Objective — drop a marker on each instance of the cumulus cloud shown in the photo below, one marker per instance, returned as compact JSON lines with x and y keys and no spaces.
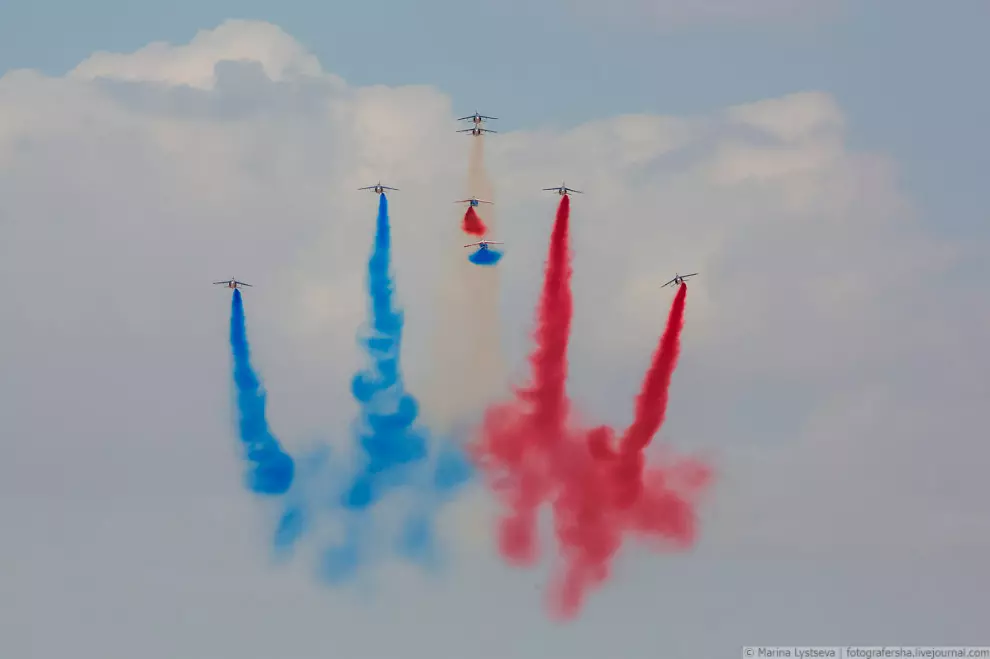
{"x":822,"y":337}
{"x":193,"y":64}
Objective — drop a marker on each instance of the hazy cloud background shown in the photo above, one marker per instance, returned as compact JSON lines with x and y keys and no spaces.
{"x":834,"y":361}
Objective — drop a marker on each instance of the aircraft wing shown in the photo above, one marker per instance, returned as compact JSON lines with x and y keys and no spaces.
{"x":690,"y":275}
{"x":484,"y":117}
{"x":573,"y":190}
{"x":466,"y":130}
{"x":470,"y":116}
{"x":472,"y":244}
{"x":385,"y":187}
{"x":485,"y":130}
{"x":243,"y":284}
{"x":557,"y":189}
{"x":482,"y":201}
{"x":221,"y":282}
{"x":370,"y":187}
{"x":668,"y":283}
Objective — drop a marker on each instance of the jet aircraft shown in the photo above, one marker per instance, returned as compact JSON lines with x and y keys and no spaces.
{"x":231,"y":283}
{"x":483,"y":244}
{"x":476,"y":118}
{"x":378,"y":188}
{"x":474,"y":201}
{"x":477,"y":130}
{"x":562,"y":189}
{"x":678,"y":279}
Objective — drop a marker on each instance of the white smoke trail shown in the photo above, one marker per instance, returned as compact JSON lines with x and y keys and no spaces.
{"x":468,"y":364}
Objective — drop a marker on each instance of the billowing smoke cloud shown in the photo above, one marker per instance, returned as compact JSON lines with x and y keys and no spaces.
{"x":535,"y":454}
{"x":393,"y":454}
{"x":473,"y":224}
{"x":486,"y":257}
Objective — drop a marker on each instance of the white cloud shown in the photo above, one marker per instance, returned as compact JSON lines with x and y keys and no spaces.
{"x":791,"y":117}
{"x":822,"y":334}
{"x":192,"y":64}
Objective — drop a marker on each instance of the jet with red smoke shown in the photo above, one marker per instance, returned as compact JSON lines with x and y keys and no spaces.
{"x":473,"y":224}
{"x":678,"y":279}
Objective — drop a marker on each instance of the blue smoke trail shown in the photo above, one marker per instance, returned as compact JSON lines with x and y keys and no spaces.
{"x":485,"y":257}
{"x":270,"y":469}
{"x":388,"y":438}
{"x":394,"y":451}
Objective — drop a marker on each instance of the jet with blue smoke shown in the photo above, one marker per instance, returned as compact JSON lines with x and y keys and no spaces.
{"x":393,"y":454}
{"x":270,"y":469}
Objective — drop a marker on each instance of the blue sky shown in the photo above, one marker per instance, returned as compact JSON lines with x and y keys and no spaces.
{"x":907,"y":72}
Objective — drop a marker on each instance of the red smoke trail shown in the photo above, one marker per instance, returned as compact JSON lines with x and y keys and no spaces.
{"x":599,"y":492}
{"x":519,"y":438}
{"x":473,"y":224}
{"x":619,"y":494}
